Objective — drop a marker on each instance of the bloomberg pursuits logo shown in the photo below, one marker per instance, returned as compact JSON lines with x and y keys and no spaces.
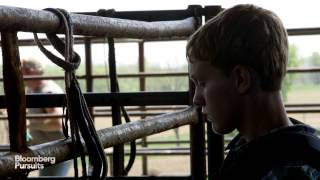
{"x":32,"y":162}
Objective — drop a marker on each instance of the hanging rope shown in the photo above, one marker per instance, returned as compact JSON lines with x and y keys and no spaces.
{"x":112,"y":58}
{"x":132,"y":157}
{"x":81,"y":123}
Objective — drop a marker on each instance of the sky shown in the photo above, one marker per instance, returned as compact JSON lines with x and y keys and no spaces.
{"x":294,"y":14}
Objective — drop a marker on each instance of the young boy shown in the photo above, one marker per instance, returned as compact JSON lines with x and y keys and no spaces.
{"x":237,"y":62}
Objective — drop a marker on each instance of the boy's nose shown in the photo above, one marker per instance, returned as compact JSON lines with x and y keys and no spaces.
{"x":198,"y":98}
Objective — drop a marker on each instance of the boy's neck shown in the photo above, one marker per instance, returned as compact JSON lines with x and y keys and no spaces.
{"x":263,"y":113}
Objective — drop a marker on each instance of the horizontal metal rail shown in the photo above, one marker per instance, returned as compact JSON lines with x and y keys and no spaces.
{"x":302,"y":105}
{"x":303,"y":31}
{"x":160,"y":152}
{"x":109,"y":137}
{"x":146,"y":108}
{"x":303,"y":70}
{"x":303,"y":110}
{"x":98,"y":40}
{"x":154,"y":15}
{"x":126,"y":75}
{"x":102,"y":40}
{"x":147,"y":74}
{"x":157,"y":142}
{"x":152,"y":111}
{"x":6,"y":148}
{"x":29,"y":20}
{"x":107,"y":99}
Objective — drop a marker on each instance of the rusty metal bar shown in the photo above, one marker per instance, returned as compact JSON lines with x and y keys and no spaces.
{"x":14,"y":92}
{"x":22,"y":19}
{"x":109,"y":137}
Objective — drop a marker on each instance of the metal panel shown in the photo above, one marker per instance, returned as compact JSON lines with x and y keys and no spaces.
{"x":107,"y":99}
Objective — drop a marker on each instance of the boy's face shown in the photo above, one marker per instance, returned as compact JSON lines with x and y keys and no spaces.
{"x":216,"y":95}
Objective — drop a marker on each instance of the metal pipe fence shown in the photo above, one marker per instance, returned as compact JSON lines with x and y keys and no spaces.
{"x":109,"y":137}
{"x":43,"y":21}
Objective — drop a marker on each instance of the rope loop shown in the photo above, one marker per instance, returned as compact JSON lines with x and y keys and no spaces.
{"x":81,"y":124}
{"x":72,"y":59}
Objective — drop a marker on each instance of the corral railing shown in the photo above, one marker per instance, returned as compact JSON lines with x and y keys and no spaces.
{"x":15,"y":19}
{"x":106,"y":99}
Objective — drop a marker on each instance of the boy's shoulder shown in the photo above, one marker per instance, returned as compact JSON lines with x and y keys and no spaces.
{"x":294,"y":149}
{"x":293,"y":172}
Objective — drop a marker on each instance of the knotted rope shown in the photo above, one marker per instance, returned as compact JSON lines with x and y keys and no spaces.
{"x":77,"y":110}
{"x":112,"y":60}
{"x":122,"y":108}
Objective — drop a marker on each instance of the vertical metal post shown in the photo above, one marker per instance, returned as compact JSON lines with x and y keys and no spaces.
{"x":142,"y":83}
{"x":14,"y":91}
{"x":197,"y":131}
{"x":118,"y":150}
{"x":14,"y":95}
{"x":88,"y":57}
{"x":215,"y":145}
{"x":215,"y":142}
{"x":88,"y":71}
{"x":197,"y":145}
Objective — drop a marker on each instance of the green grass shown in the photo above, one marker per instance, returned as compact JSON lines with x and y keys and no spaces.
{"x":308,"y":93}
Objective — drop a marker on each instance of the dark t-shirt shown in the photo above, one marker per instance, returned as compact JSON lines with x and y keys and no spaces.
{"x":287,"y":153}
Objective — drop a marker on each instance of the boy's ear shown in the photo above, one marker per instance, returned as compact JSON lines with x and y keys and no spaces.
{"x":242,"y":79}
